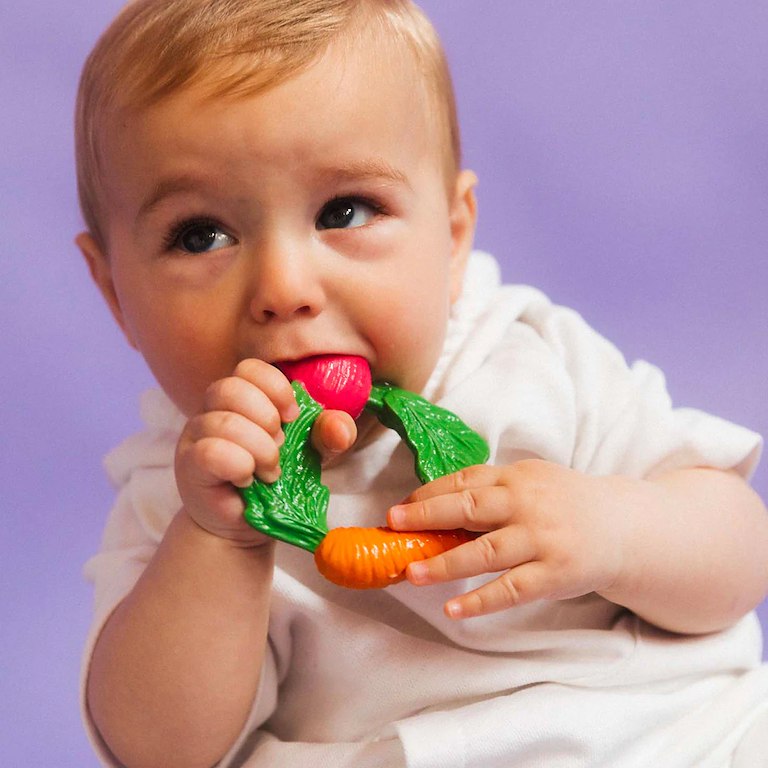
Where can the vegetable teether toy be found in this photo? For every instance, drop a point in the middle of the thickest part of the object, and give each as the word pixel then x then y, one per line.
pixel 293 508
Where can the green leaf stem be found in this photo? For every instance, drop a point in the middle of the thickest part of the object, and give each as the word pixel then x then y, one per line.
pixel 439 440
pixel 293 508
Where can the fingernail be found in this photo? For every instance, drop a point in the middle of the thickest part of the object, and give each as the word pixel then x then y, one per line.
pixel 418 572
pixel 396 516
pixel 453 609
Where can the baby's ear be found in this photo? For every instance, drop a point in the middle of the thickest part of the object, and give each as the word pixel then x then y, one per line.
pixel 463 217
pixel 101 272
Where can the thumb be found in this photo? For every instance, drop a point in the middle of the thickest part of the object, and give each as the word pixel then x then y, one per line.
pixel 333 433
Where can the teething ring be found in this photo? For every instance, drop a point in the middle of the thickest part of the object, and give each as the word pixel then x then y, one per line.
pixel 293 509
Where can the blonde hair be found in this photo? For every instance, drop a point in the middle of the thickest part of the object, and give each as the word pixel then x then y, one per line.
pixel 156 48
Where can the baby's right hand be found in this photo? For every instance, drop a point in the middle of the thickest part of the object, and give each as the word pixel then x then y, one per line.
pixel 237 436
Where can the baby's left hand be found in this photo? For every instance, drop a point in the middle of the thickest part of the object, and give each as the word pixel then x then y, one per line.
pixel 554 533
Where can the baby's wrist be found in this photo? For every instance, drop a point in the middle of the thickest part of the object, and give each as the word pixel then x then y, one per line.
pixel 247 538
pixel 634 501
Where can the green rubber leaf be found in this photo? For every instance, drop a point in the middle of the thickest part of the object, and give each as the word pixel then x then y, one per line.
pixel 439 440
pixel 293 508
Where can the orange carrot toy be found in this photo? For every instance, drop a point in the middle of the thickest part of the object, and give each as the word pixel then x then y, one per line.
pixel 293 508
pixel 363 558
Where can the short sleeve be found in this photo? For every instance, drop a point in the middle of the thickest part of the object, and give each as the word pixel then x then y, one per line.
pixel 625 419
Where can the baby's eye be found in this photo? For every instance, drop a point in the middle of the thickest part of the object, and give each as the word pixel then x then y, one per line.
pixel 200 237
pixel 345 212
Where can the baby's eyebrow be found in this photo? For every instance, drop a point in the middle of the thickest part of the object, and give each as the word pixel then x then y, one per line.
pixel 168 187
pixel 366 170
pixel 357 170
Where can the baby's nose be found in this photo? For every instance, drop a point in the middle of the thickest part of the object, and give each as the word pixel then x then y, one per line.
pixel 286 284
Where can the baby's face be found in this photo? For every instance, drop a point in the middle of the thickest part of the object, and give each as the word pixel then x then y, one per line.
pixel 311 218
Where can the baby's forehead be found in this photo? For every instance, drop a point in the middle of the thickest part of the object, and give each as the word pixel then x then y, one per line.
pixel 384 65
pixel 146 59
pixel 328 115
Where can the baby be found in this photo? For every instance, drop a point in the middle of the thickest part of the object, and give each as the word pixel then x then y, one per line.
pixel 263 181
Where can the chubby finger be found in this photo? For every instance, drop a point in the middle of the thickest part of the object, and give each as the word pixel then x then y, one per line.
pixel 272 383
pixel 241 398
pixel 333 433
pixel 469 478
pixel 221 461
pixel 238 431
pixel 495 551
pixel 515 587
pixel 482 508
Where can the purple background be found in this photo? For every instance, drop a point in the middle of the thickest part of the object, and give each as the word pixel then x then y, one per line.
pixel 622 149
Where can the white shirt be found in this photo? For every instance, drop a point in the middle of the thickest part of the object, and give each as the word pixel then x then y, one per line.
pixel 382 677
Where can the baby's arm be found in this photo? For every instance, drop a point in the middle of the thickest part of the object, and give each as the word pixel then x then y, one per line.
pixel 684 550
pixel 176 669
pixel 177 665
